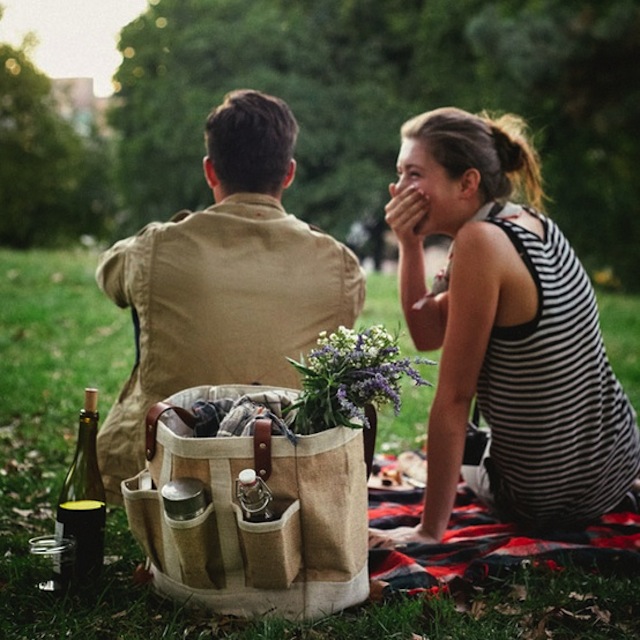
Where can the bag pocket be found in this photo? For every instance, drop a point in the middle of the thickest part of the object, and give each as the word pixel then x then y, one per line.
pixel 272 550
pixel 196 544
pixel 144 513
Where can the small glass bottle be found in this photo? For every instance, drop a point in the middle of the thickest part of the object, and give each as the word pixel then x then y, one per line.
pixel 254 497
pixel 81 512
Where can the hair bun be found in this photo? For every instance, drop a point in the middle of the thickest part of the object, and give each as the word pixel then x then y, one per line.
pixel 510 152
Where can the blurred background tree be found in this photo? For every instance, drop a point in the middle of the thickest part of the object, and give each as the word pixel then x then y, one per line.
pixel 182 56
pixel 353 71
pixel 53 182
pixel 571 70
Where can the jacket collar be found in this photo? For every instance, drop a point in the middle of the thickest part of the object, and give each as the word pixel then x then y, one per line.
pixel 257 205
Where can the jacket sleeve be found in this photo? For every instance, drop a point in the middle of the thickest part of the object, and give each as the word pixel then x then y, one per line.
pixel 117 265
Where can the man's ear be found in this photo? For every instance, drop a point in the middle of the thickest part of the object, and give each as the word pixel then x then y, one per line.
pixel 210 172
pixel 291 174
pixel 470 182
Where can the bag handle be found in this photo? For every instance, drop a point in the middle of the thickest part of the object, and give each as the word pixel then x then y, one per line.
pixel 153 415
pixel 261 437
pixel 369 436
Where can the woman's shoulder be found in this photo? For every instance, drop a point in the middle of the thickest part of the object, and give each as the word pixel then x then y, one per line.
pixel 485 251
pixel 479 236
pixel 480 250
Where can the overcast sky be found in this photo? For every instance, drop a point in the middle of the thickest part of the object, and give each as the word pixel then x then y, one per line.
pixel 77 38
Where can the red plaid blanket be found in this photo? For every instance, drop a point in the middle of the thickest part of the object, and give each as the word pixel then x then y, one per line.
pixel 476 547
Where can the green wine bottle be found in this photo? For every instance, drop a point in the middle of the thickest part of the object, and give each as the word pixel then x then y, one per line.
pixel 81 512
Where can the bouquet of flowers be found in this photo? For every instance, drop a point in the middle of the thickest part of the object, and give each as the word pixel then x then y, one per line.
pixel 348 371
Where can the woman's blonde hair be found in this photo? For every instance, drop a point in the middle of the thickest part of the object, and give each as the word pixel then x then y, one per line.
pixel 499 148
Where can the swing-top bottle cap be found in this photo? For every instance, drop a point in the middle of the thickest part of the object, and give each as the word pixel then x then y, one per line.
pixel 247 476
pixel 91 399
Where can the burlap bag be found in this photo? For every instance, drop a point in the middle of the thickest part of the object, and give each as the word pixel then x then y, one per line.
pixel 310 562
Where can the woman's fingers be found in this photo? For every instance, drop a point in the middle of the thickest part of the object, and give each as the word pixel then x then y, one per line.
pixel 405 210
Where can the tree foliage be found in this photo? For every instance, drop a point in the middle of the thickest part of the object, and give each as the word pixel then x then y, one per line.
pixel 353 71
pixel 572 71
pixel 52 185
pixel 182 56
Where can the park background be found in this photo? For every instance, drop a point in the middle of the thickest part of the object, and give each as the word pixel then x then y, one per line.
pixel 353 71
pixel 75 176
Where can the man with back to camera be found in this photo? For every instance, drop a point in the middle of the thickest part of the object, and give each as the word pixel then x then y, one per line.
pixel 224 295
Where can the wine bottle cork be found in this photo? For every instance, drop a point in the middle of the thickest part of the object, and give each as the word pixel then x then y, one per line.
pixel 91 400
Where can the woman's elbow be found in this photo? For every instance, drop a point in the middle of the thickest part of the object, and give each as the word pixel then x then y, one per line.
pixel 426 341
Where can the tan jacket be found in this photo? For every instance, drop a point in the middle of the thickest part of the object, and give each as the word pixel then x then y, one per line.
pixel 222 296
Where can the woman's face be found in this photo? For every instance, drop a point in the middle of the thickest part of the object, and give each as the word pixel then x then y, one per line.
pixel 416 167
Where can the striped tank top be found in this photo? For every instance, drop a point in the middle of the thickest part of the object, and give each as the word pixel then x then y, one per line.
pixel 565 444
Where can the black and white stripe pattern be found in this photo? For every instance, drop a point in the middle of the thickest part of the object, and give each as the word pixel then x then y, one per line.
pixel 564 436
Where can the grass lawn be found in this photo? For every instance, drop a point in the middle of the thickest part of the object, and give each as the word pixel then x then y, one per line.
pixel 59 334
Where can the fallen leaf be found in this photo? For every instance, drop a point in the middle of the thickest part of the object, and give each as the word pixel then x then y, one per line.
pixel 507 609
pixel 574 615
pixel 581 597
pixel 478 609
pixel 11 466
pixel 18 335
pixel 519 592
pixel 603 615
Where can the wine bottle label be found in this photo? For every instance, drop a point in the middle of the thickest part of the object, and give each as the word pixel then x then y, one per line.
pixel 82 505
pixel 84 520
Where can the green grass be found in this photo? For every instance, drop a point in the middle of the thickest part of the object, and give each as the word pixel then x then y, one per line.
pixel 58 334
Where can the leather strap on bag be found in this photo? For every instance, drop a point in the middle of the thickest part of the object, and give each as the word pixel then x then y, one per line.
pixel 262 443
pixel 369 436
pixel 153 415
pixel 262 448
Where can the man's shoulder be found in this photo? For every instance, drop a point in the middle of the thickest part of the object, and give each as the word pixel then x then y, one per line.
pixel 181 215
pixel 316 228
pixel 167 225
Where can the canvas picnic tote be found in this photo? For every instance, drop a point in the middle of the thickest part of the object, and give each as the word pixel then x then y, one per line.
pixel 308 563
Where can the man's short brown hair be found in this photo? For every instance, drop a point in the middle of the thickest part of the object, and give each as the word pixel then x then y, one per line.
pixel 250 140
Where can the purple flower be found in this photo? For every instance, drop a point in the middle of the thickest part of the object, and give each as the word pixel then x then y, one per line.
pixel 348 371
